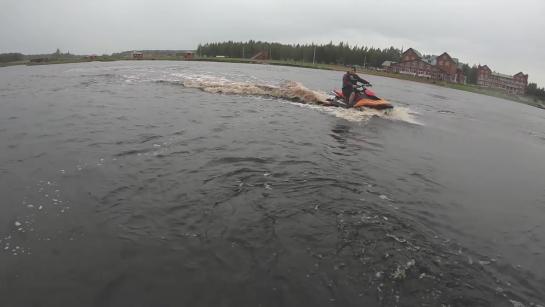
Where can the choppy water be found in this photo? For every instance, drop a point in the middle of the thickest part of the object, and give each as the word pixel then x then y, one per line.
pixel 203 184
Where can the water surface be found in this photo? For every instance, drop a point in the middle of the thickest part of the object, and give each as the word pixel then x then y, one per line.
pixel 204 184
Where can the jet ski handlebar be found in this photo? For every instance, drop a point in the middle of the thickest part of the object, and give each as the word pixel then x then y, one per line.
pixel 361 87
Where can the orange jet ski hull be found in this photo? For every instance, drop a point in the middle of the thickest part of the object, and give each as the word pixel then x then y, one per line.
pixel 369 100
pixel 378 103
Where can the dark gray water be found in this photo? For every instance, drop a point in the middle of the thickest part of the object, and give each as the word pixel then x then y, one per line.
pixel 145 184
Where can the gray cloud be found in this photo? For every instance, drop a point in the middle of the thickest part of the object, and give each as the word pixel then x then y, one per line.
pixel 506 35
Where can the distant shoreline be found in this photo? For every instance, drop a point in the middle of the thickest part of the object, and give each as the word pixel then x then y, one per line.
pixel 528 100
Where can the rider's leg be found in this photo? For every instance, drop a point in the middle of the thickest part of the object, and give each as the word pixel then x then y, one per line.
pixel 351 99
pixel 346 94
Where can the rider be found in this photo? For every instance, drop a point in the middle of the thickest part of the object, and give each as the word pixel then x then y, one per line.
pixel 350 83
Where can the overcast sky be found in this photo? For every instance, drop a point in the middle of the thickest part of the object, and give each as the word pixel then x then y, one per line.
pixel 509 36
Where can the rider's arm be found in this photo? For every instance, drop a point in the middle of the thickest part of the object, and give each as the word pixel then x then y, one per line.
pixel 362 80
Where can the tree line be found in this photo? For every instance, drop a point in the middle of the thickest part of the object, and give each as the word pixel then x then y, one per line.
pixel 11 57
pixel 538 92
pixel 15 57
pixel 341 53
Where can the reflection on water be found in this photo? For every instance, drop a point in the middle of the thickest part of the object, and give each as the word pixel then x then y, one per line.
pixel 204 184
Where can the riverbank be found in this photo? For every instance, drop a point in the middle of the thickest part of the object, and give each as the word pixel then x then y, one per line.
pixel 529 100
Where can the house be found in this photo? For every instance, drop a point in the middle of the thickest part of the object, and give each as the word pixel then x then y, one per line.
pixel 262 55
pixel 39 60
pixel 387 64
pixel 442 67
pixel 515 84
pixel 186 54
pixel 137 55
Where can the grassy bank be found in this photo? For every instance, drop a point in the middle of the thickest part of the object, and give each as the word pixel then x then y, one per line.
pixel 60 61
pixel 463 87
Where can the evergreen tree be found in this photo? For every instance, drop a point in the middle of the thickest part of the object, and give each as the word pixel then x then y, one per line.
pixel 533 90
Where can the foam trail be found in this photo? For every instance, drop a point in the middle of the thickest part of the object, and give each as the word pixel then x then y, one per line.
pixel 290 90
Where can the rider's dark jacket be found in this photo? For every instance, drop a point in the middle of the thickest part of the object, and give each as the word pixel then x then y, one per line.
pixel 349 80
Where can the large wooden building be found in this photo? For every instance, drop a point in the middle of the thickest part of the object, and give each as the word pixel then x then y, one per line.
pixel 515 84
pixel 442 67
pixel 186 54
pixel 137 55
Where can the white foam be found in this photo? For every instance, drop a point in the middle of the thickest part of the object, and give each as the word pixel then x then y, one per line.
pixel 363 115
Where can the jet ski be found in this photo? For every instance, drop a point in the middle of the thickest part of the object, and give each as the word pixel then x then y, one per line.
pixel 365 98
